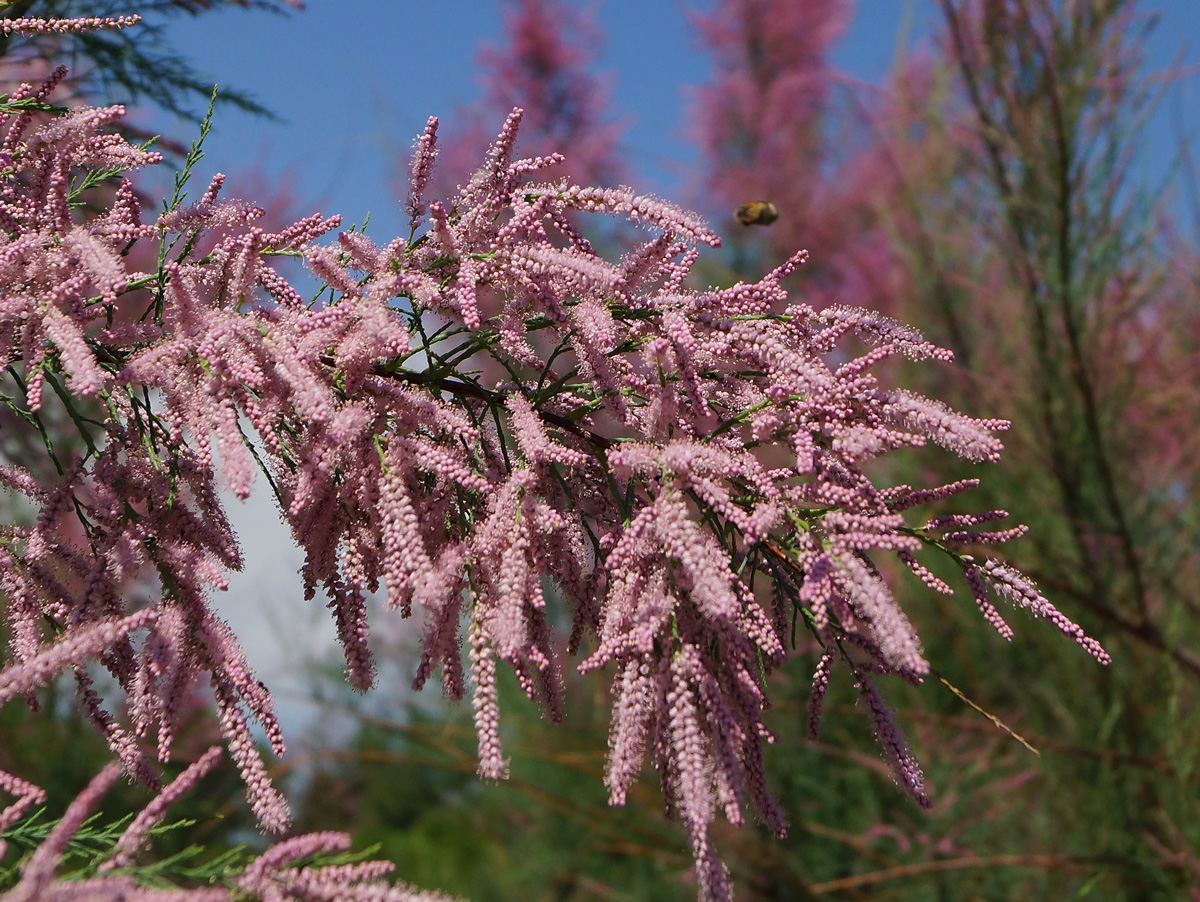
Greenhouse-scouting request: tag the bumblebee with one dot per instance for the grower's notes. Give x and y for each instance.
(758, 213)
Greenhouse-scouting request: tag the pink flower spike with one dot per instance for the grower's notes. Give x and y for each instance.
(421, 168)
(492, 764)
(38, 871)
(66, 26)
(904, 766)
(26, 794)
(820, 683)
(1022, 591)
(134, 836)
(78, 645)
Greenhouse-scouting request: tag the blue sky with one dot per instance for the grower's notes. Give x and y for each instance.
(354, 80)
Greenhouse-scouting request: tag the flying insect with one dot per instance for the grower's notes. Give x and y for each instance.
(758, 213)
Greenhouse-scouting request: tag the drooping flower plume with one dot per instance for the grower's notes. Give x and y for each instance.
(674, 472)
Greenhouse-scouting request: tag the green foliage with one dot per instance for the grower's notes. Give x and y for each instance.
(95, 841)
(214, 815)
(134, 66)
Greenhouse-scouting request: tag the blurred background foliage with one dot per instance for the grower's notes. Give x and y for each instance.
(991, 193)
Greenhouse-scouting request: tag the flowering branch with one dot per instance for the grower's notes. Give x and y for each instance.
(485, 420)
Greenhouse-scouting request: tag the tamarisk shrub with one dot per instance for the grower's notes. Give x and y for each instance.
(612, 462)
(544, 64)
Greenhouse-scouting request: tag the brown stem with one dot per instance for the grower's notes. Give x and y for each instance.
(1047, 862)
(494, 398)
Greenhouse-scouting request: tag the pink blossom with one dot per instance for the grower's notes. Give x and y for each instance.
(27, 796)
(544, 65)
(478, 419)
(38, 871)
(79, 645)
(135, 834)
(66, 26)
(895, 747)
(1022, 591)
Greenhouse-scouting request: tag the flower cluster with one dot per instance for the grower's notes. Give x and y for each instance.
(65, 26)
(276, 874)
(488, 421)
